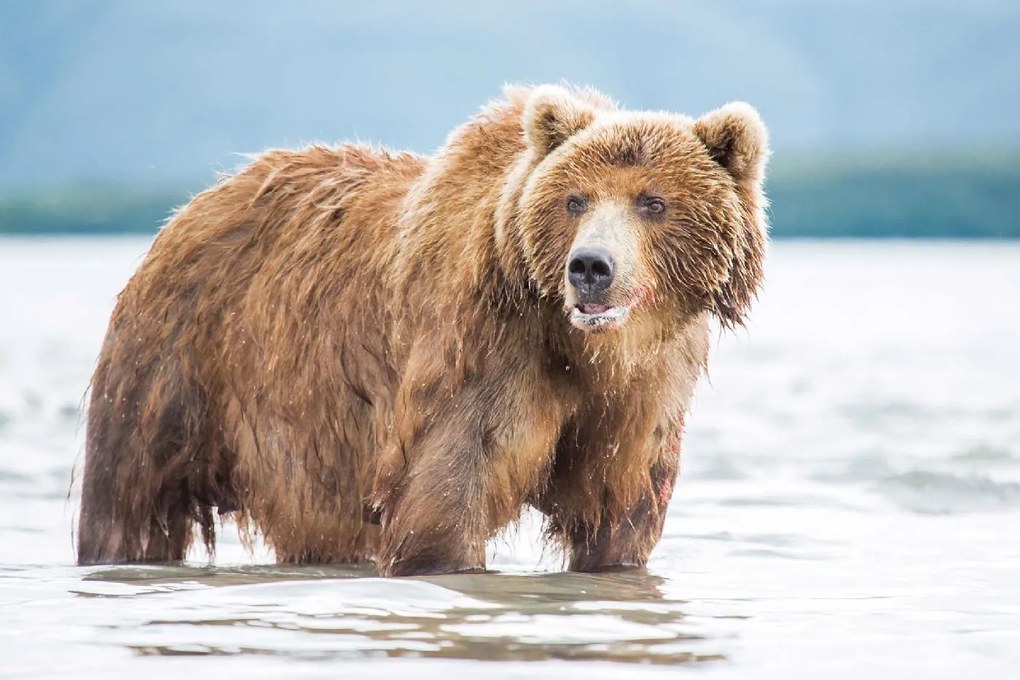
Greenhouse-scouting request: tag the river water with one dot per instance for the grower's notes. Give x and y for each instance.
(849, 506)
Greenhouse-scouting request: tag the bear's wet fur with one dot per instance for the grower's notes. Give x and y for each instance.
(370, 356)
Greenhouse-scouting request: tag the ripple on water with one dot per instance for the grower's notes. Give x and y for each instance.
(322, 613)
(985, 454)
(933, 492)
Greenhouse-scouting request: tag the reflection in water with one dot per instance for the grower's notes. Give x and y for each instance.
(621, 616)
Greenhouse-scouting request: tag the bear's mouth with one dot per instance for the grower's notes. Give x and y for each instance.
(591, 316)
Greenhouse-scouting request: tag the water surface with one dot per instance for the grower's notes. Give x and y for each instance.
(849, 504)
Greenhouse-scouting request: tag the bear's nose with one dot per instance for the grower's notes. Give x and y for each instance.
(590, 269)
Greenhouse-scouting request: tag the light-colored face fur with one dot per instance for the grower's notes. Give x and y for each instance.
(642, 219)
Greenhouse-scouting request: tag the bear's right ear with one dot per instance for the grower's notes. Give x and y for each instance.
(552, 115)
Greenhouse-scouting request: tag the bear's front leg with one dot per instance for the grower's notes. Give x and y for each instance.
(459, 469)
(436, 521)
(625, 539)
(610, 489)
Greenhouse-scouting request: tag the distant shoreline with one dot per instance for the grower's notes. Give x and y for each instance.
(975, 197)
(828, 237)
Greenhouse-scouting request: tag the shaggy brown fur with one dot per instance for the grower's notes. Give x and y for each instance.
(371, 356)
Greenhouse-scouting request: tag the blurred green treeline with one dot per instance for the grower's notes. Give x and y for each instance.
(894, 196)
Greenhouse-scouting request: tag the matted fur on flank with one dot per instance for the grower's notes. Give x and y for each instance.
(368, 356)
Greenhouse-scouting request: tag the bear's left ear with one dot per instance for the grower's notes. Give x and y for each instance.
(736, 139)
(552, 115)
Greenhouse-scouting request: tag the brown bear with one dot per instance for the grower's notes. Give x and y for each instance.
(374, 356)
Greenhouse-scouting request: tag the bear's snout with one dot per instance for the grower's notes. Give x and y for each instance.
(590, 271)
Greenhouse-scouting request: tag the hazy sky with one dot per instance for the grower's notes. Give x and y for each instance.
(156, 93)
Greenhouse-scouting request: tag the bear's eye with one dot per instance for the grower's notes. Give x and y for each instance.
(652, 205)
(576, 205)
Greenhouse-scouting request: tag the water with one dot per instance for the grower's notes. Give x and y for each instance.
(849, 505)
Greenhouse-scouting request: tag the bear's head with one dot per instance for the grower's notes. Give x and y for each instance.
(639, 218)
